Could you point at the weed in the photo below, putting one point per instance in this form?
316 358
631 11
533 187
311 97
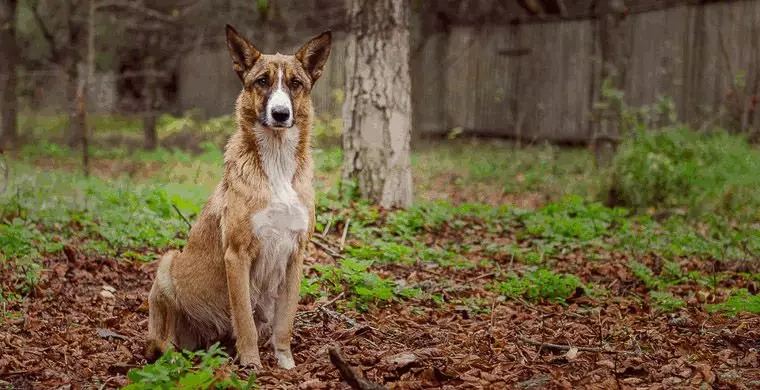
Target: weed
194 370
361 285
665 302
682 169
740 301
540 284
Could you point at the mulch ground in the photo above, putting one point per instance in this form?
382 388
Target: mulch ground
85 325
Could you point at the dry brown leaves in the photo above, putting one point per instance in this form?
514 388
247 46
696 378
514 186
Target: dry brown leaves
85 327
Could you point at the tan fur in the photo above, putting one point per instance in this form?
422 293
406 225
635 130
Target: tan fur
222 286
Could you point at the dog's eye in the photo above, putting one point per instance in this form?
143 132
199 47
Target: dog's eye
262 81
295 84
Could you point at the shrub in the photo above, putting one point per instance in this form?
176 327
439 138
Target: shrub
682 169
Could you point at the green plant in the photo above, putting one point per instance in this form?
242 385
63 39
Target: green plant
540 284
739 301
191 370
682 169
361 285
665 302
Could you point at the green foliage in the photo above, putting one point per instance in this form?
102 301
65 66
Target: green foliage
191 370
665 302
361 285
740 301
540 284
682 169
572 219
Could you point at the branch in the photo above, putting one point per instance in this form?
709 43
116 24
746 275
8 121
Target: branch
561 347
137 8
349 374
326 248
45 32
189 226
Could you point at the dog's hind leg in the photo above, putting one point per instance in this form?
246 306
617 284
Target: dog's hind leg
163 314
285 310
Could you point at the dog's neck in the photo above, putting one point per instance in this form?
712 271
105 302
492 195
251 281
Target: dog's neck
281 155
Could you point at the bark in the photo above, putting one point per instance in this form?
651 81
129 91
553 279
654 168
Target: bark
613 66
377 110
150 138
86 85
8 76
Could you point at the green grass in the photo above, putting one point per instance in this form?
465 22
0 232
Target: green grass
126 211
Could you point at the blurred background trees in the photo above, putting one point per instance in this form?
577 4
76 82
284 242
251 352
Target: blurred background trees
582 72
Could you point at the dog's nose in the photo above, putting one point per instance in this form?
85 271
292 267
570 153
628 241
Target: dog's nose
280 113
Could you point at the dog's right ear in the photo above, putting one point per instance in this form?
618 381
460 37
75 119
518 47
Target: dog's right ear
242 52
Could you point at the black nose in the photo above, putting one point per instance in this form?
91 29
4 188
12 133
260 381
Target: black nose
280 114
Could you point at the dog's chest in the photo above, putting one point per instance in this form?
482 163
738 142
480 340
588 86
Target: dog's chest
285 216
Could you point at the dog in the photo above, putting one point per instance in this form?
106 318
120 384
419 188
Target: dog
237 281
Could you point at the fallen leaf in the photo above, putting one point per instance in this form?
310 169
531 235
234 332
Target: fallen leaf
106 333
401 360
572 353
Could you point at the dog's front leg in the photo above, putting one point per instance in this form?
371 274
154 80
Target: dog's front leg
238 268
286 306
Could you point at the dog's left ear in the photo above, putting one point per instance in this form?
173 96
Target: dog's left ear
313 55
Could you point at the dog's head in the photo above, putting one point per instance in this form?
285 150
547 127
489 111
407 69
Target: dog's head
277 88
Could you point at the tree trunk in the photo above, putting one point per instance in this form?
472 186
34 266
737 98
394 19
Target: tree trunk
8 75
377 110
150 141
606 129
82 99
73 84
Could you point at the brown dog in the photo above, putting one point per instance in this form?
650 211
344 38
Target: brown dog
239 276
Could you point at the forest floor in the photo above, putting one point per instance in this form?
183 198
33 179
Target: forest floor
498 277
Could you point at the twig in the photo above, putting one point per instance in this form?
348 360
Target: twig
481 277
189 226
562 347
330 302
326 248
338 316
345 233
327 227
349 374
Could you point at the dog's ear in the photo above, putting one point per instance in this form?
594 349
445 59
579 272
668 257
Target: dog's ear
313 55
243 53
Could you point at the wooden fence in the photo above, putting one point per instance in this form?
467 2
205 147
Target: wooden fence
539 80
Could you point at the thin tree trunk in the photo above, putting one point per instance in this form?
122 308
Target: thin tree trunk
82 98
74 83
377 110
150 141
9 78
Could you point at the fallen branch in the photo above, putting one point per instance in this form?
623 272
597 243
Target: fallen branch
326 248
349 374
345 234
561 347
338 316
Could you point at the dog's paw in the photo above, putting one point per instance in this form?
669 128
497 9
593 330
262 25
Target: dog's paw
251 360
285 359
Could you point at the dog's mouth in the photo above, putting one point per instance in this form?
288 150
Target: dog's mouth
276 126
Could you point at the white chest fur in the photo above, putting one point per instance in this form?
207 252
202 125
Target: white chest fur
278 226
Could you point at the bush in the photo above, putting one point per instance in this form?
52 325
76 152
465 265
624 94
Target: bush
682 169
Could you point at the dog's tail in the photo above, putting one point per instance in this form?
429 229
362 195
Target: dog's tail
162 318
